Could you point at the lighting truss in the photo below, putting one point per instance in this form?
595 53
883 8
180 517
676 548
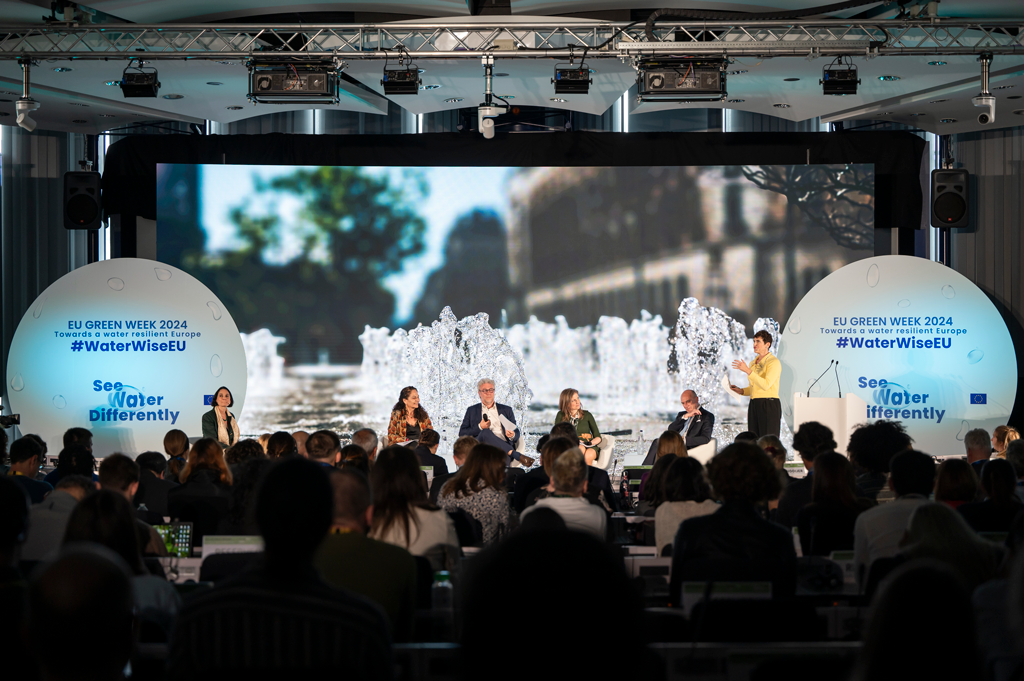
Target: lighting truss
546 39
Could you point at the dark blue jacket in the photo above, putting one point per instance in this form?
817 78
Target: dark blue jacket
471 422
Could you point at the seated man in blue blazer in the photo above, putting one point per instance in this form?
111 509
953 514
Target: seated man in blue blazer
490 431
695 424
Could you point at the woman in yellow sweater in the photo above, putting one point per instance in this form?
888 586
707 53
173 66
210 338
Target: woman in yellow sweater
764 413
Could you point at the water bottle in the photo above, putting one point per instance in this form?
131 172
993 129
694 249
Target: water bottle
442 601
442 593
796 543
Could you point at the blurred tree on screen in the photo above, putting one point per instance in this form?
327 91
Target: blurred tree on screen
354 228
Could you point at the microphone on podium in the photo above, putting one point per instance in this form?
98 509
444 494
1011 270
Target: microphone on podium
837 379
819 377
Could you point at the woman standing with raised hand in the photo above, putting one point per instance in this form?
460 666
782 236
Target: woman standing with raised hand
408 418
764 413
570 409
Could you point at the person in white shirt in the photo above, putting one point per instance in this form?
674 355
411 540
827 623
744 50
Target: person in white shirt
569 477
879 531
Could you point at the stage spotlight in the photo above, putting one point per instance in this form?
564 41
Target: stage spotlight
139 80
401 81
676 79
571 80
277 81
839 79
23 107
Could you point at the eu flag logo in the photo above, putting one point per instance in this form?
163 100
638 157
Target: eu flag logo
208 400
979 398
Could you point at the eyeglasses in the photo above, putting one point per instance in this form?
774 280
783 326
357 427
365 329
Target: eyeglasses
491 390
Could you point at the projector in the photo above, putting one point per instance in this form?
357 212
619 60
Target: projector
681 80
293 83
140 84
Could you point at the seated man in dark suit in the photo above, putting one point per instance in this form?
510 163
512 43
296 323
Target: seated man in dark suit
483 421
734 544
279 618
695 423
460 450
153 486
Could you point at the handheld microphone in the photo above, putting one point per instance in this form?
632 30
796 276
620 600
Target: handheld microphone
819 377
837 379
486 420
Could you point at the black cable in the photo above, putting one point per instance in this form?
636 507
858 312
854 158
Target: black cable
713 15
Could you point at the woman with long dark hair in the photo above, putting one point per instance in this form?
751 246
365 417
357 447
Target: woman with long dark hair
107 518
571 410
408 418
204 495
402 512
685 494
826 524
479 489
176 448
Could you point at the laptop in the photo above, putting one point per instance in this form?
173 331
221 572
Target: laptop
177 538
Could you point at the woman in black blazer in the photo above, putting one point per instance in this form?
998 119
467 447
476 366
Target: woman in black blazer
219 424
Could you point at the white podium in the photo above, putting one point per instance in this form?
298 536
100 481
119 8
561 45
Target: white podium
839 414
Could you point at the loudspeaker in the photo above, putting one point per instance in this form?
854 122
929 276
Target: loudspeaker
951 198
82 206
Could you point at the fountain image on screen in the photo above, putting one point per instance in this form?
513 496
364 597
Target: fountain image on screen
623 282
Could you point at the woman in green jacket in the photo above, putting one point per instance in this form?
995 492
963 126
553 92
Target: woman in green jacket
569 409
219 424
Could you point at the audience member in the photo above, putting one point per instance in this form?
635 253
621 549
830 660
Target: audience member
956 483
1002 436
120 474
460 450
685 494
651 486
75 459
49 519
826 524
78 436
992 603
870 449
599 485
426 450
176 448
745 436
809 441
14 524
349 559
589 568
26 456
1001 505
281 445
569 478
279 618
402 513
776 451
478 489
243 450
367 439
878 531
84 601
979 448
920 609
300 437
321 448
354 457
3 452
938 532
1015 455
244 479
203 498
536 484
107 518
264 439
735 543
153 484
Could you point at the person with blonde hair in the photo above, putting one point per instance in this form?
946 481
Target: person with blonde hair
937 531
571 410
1002 436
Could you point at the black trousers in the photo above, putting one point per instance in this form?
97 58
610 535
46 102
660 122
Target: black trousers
764 416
